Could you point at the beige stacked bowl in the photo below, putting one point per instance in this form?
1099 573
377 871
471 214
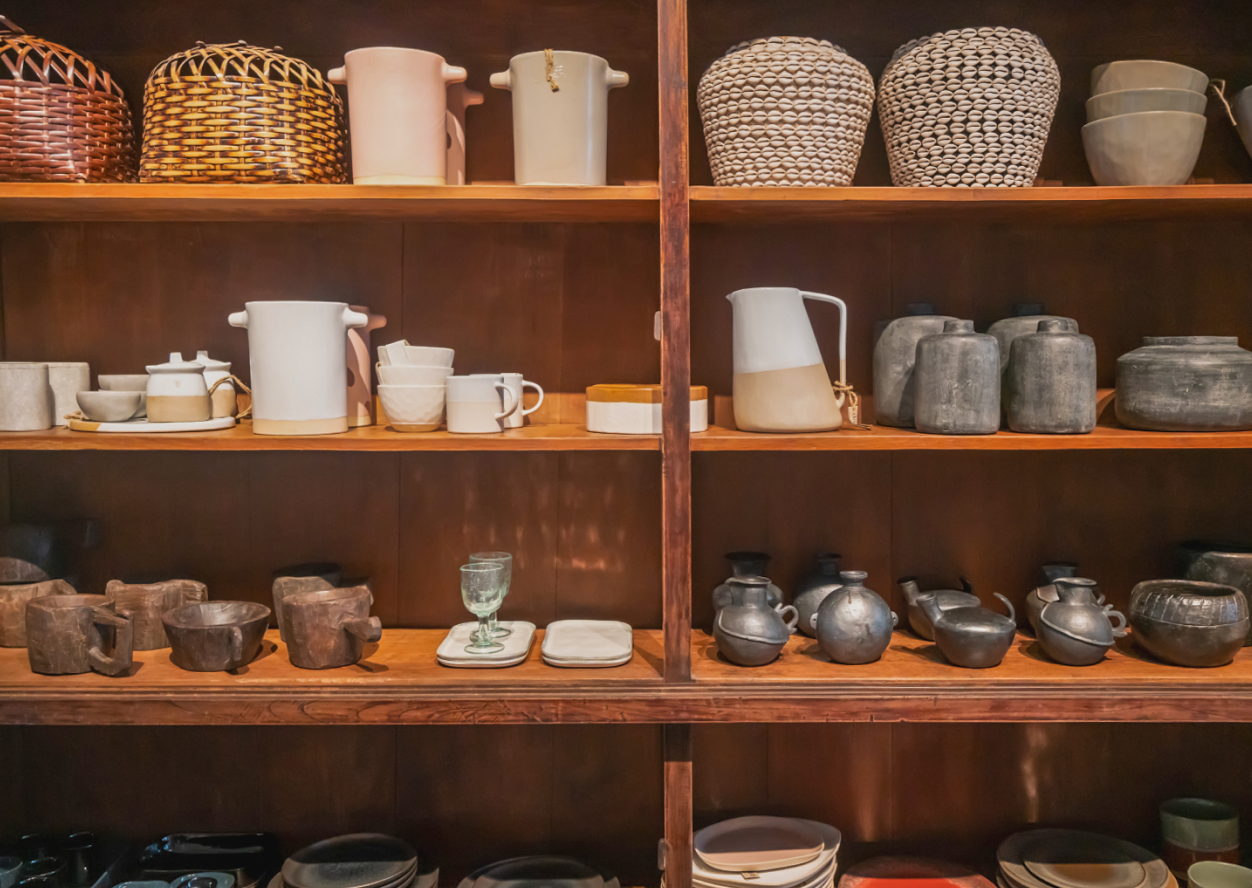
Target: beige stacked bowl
968 108
785 111
1145 122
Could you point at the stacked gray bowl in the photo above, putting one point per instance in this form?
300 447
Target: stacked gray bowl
1145 122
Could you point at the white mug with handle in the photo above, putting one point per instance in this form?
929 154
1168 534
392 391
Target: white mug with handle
479 405
516 384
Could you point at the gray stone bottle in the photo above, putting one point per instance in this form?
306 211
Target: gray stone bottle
958 382
1050 384
1185 383
895 352
814 588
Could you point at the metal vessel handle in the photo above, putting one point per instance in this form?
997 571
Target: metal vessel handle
1120 629
843 336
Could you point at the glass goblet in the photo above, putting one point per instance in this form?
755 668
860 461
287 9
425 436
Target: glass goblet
505 559
482 589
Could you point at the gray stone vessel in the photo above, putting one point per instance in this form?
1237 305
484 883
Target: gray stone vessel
752 633
813 589
895 354
972 637
1185 383
958 382
1188 623
1075 630
1050 381
947 599
1227 563
854 624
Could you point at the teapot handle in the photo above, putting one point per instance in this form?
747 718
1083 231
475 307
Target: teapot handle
1120 629
843 336
1008 604
795 617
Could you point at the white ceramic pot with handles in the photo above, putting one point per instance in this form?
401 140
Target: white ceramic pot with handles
780 382
360 379
297 353
460 97
560 116
397 107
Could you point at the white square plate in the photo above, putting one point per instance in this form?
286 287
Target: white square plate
452 650
586 640
587 664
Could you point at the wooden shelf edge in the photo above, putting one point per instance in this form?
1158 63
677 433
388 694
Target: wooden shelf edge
70 202
368 439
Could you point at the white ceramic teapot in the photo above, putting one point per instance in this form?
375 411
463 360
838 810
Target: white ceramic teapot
177 391
298 355
780 383
398 106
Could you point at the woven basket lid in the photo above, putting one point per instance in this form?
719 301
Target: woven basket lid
241 61
32 60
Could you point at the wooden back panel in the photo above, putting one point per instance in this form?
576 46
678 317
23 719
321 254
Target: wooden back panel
480 36
1079 35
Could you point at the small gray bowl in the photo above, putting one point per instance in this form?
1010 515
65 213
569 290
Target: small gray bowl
1148 148
109 406
1134 101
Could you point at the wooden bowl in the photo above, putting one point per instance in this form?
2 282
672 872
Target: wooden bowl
215 636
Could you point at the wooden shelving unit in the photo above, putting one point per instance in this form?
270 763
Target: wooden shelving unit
563 283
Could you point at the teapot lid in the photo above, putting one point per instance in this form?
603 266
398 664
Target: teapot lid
203 359
176 364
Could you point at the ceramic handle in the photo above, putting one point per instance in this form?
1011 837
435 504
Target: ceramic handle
795 617
354 318
503 80
537 387
616 79
895 619
1120 629
471 97
369 630
813 621
238 319
236 644
453 74
512 401
843 334
337 75
377 322
123 626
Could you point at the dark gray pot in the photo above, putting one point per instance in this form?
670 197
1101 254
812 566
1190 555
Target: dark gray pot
813 589
946 599
1185 383
854 624
958 382
1227 563
1009 330
1050 381
1189 623
972 637
911 310
895 354
751 633
1075 630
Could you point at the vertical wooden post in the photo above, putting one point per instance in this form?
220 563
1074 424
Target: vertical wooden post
678 806
675 339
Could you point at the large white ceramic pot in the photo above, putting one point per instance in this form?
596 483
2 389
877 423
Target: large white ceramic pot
297 353
397 108
560 116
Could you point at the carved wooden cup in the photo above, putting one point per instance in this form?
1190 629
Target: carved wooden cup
13 608
72 634
216 636
312 577
150 602
330 628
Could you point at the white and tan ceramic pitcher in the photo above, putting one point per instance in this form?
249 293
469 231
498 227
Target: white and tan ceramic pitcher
780 383
460 97
560 116
297 353
397 107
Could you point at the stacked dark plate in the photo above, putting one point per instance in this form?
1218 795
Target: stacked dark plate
538 871
360 860
1068 858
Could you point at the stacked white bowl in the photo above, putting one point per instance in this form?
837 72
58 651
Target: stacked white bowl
413 386
1145 122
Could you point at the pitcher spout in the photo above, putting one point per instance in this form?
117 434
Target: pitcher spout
908 585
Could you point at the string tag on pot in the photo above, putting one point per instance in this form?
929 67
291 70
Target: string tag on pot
550 68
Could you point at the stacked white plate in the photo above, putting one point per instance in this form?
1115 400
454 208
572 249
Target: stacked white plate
765 852
539 871
452 650
587 644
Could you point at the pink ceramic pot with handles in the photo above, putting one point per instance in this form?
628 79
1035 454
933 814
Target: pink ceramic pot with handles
397 107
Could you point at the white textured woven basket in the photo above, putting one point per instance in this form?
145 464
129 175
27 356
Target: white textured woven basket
968 108
785 111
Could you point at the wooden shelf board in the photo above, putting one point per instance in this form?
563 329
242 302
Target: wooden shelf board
1108 435
68 202
758 205
556 436
912 682
398 681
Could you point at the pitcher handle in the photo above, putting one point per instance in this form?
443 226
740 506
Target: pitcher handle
616 79
1120 629
368 629
355 318
123 625
238 319
537 387
793 621
337 75
453 74
843 337
513 402
502 80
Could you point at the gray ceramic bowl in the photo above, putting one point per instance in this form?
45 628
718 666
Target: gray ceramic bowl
1133 101
109 406
1149 148
123 382
1144 74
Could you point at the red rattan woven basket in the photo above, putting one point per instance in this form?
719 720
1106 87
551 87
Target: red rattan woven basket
62 119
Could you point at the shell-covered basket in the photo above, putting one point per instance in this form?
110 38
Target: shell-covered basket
241 113
968 108
785 111
62 118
